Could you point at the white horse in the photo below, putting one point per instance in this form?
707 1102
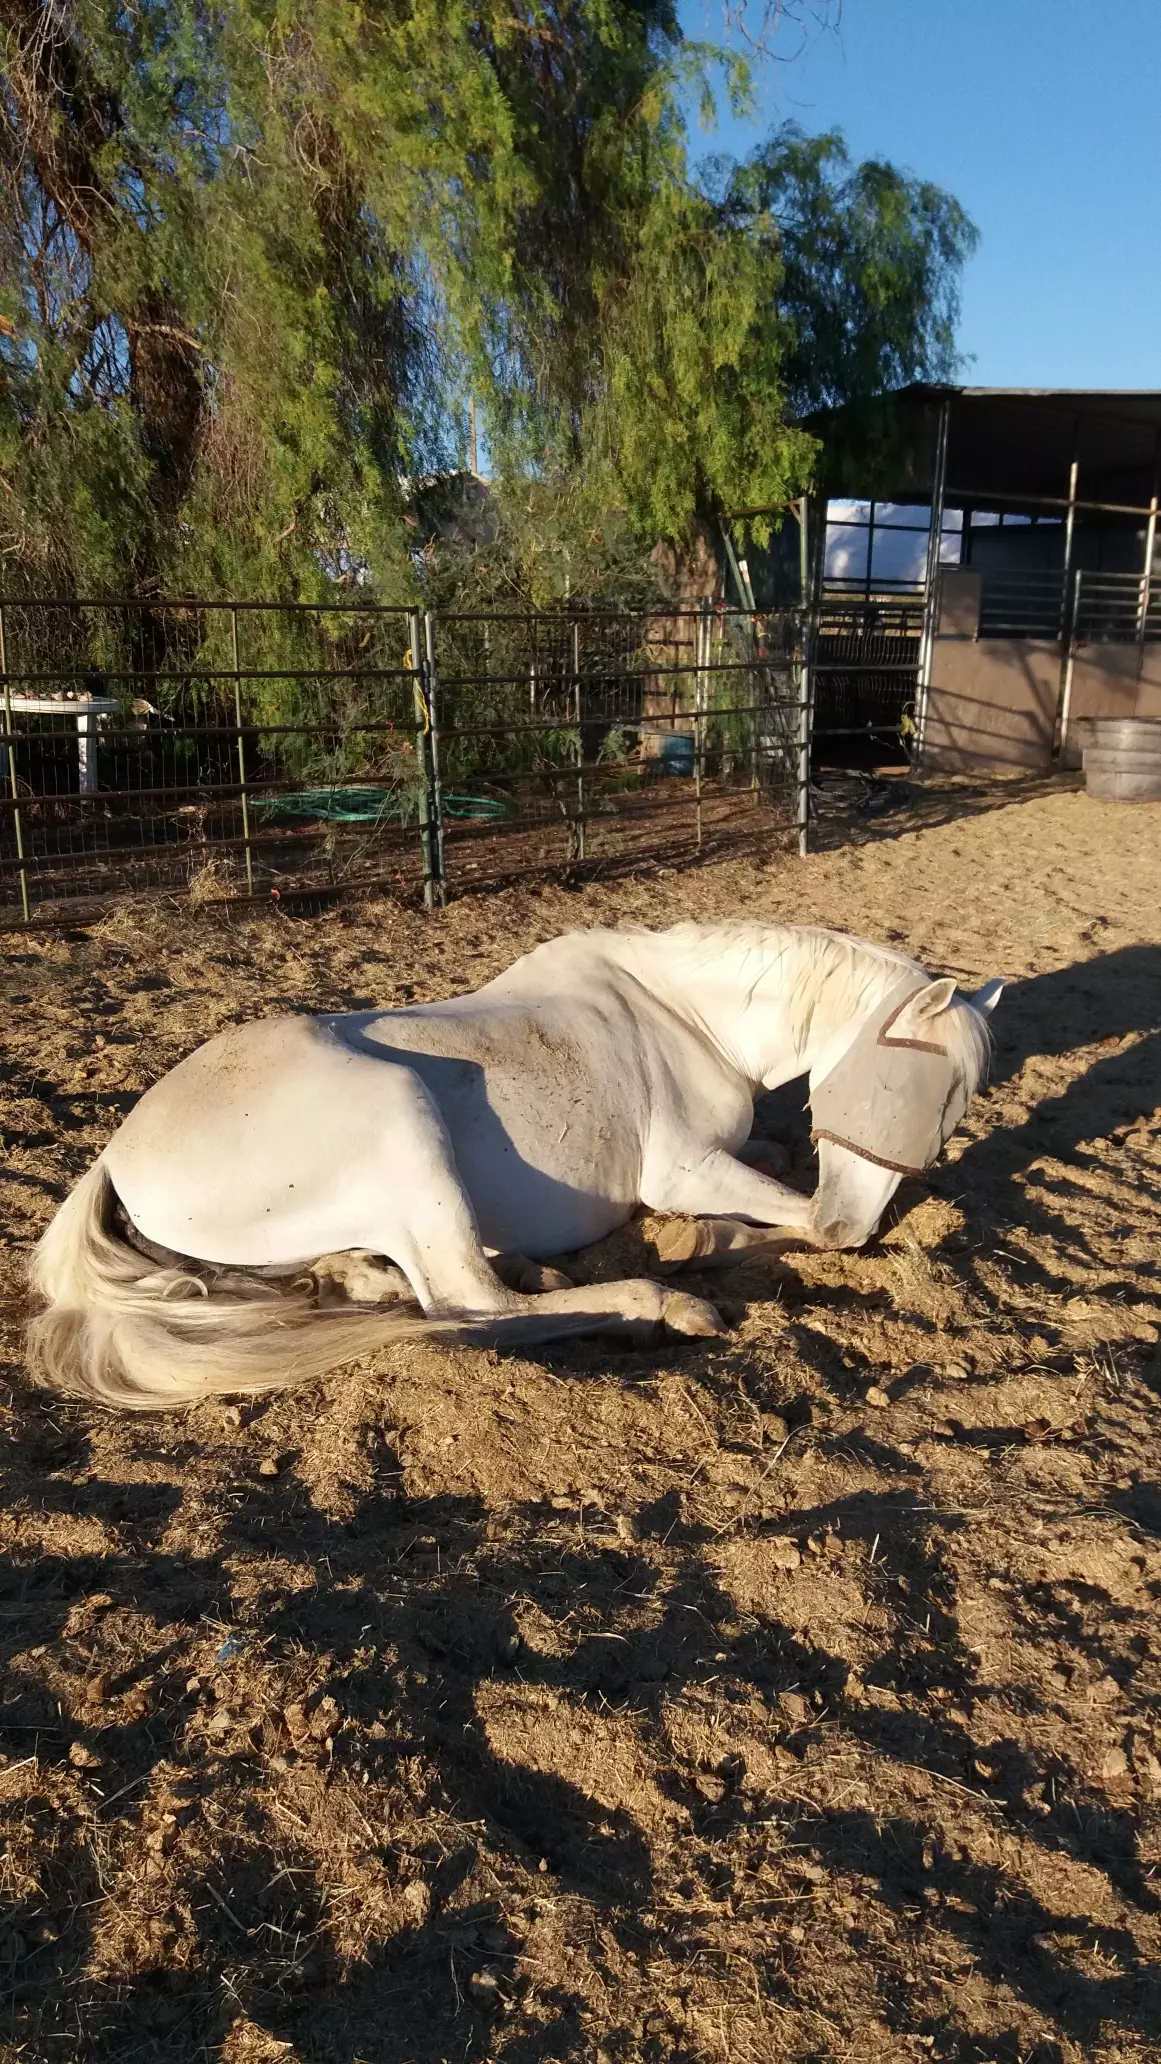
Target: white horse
604 1071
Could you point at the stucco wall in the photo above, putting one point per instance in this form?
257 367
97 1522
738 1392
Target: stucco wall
992 703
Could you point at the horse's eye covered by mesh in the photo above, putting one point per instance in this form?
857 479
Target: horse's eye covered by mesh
891 1099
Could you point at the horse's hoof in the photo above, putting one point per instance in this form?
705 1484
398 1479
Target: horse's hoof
690 1317
680 1241
551 1279
529 1278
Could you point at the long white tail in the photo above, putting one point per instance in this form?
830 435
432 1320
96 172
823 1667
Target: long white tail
127 1333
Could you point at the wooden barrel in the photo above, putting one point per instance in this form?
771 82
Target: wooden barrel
1122 759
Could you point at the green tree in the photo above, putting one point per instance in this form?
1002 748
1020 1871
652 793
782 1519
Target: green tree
254 257
871 262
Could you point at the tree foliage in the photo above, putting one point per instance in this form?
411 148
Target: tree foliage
871 261
254 254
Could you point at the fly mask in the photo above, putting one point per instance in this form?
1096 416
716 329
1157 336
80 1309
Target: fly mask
892 1100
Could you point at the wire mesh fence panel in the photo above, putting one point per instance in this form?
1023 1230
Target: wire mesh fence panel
232 749
588 742
223 749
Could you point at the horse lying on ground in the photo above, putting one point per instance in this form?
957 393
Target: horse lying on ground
465 1140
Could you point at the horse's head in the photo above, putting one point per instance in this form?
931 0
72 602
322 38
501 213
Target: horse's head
887 1106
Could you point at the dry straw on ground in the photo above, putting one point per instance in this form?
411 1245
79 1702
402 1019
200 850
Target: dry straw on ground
787 1696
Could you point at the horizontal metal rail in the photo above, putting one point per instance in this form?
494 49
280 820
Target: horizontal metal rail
479 734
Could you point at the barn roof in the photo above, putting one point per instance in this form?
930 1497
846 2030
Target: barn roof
1005 444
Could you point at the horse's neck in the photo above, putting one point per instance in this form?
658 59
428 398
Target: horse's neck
772 1000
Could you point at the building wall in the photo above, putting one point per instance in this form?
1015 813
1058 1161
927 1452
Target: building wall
993 701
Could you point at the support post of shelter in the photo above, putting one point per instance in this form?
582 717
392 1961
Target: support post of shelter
1068 598
1150 547
931 579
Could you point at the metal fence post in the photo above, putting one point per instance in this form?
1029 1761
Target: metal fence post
805 728
580 744
415 662
241 752
700 687
436 804
17 825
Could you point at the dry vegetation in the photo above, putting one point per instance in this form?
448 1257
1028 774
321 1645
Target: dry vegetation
787 1696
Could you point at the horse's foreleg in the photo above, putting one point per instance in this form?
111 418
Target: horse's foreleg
736 1211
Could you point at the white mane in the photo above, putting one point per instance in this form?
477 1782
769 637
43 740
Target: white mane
826 975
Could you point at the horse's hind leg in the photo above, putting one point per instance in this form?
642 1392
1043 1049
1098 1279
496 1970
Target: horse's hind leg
429 1229
531 1277
358 1277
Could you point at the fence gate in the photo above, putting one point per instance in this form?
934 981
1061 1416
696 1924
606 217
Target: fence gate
250 750
865 674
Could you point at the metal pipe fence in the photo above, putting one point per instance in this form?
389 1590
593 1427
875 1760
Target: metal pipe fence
239 750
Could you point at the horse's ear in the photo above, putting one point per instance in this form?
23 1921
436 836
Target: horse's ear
987 998
934 998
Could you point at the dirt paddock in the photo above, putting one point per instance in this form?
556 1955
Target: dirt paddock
792 1695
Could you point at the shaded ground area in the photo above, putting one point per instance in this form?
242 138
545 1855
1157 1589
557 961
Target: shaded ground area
792 1695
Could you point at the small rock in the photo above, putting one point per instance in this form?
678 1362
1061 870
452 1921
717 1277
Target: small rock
784 1555
82 1757
484 1987
877 1397
96 1691
1116 1764
416 1898
954 1372
269 1466
795 1707
232 1416
324 1720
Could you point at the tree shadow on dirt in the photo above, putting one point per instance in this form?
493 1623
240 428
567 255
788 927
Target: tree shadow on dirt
414 1612
413 1617
999 1180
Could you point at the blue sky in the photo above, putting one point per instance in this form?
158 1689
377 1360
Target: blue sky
1042 117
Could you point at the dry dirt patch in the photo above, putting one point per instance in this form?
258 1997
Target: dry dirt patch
792 1695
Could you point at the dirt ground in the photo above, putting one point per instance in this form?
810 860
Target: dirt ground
790 1695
